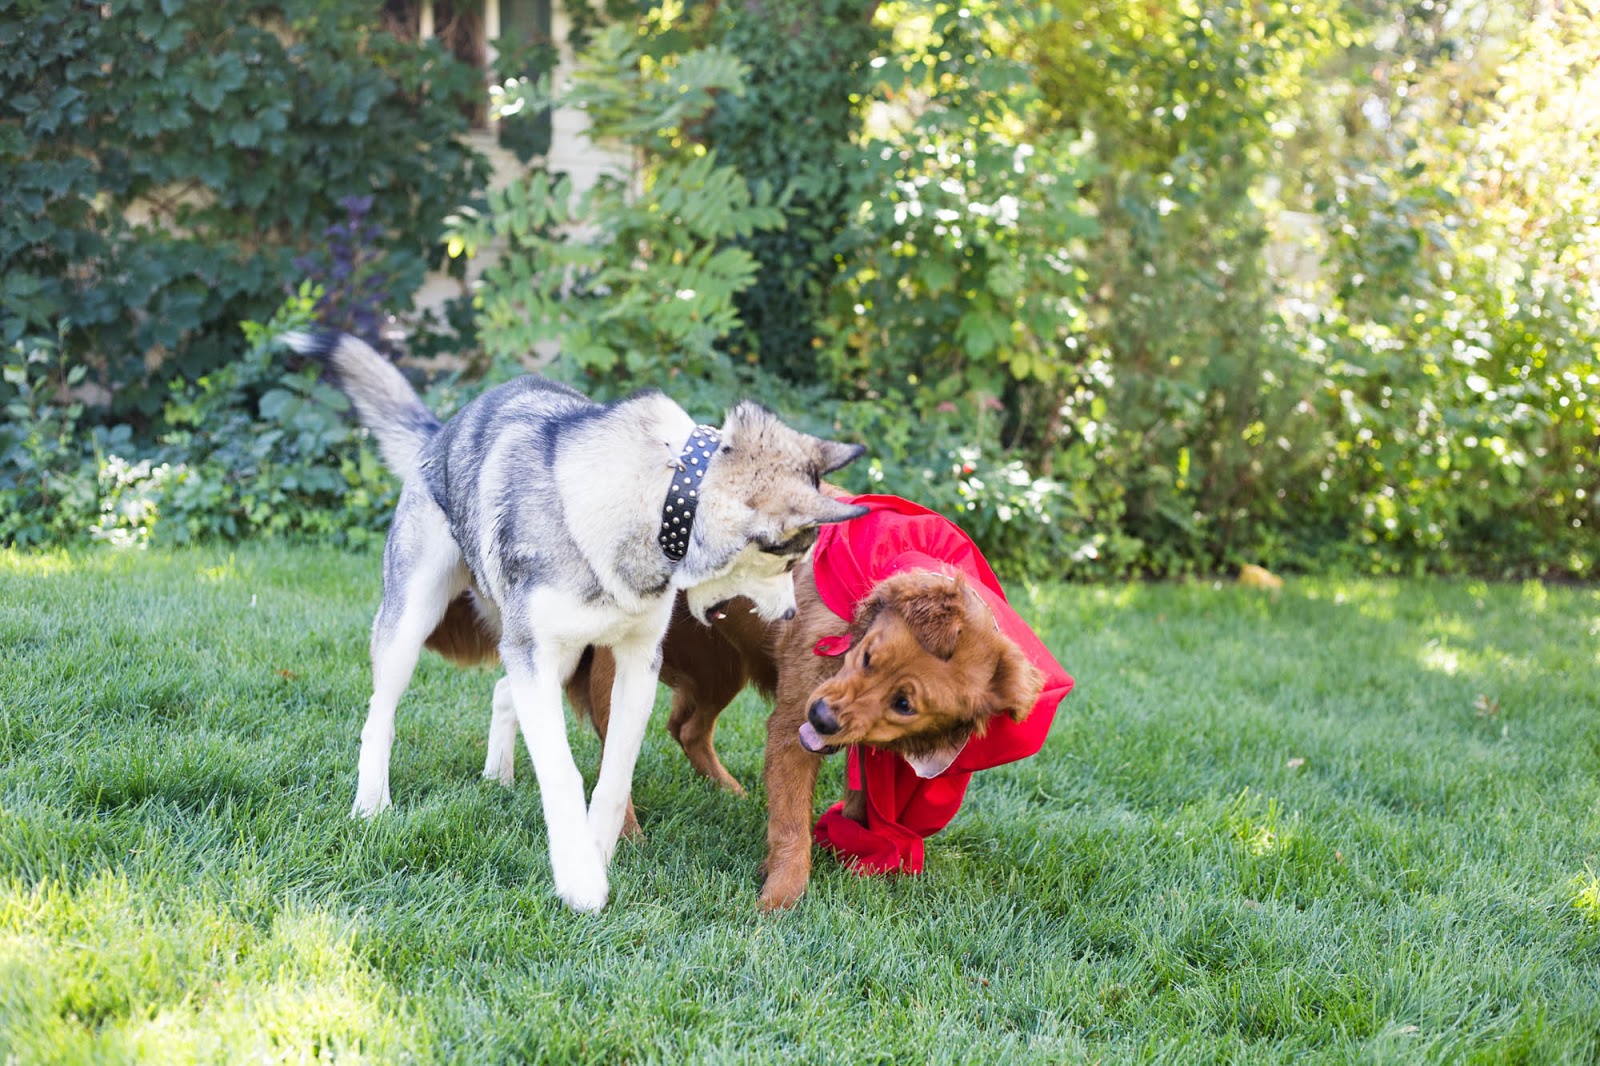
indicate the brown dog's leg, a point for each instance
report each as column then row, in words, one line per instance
column 791, row 775
column 705, row 672
column 692, row 725
column 594, row 701
column 855, row 805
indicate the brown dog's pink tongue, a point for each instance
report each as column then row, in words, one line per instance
column 809, row 739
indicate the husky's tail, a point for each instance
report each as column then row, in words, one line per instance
column 384, row 401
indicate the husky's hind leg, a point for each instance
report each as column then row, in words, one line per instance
column 589, row 692
column 501, row 763
column 422, row 573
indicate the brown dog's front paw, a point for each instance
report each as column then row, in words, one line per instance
column 630, row 826
column 781, row 891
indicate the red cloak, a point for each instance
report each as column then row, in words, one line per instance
column 850, row 559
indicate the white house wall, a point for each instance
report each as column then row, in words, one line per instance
column 570, row 152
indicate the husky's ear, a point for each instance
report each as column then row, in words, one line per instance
column 832, row 454
column 822, row 510
column 747, row 418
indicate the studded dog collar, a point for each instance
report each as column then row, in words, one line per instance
column 683, row 497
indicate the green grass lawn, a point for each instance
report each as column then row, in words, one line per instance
column 1353, row 820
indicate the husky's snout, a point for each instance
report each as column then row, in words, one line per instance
column 771, row 598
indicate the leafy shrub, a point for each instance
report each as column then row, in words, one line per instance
column 350, row 270
column 265, row 449
column 166, row 160
column 950, row 331
column 1021, row 251
column 254, row 448
column 130, row 498
column 1462, row 327
column 808, row 68
column 45, row 493
column 636, row 285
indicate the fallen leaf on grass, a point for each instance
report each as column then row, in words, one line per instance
column 1295, row 763
column 1487, row 708
column 290, row 674
column 1258, row 577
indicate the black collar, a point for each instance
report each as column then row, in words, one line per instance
column 683, row 497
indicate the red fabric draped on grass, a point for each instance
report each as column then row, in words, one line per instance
column 895, row 536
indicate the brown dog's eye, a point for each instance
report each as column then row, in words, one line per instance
column 866, row 660
column 902, row 705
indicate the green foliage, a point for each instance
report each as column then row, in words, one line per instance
column 1124, row 288
column 1465, row 321
column 1189, row 381
column 636, row 284
column 260, row 449
column 962, row 275
column 164, row 162
column 43, row 495
column 808, row 71
column 250, row 449
column 961, row 291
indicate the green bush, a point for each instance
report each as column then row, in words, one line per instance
column 808, row 68
column 635, row 285
column 165, row 161
column 253, row 448
column 47, row 480
column 1464, row 329
column 1024, row 252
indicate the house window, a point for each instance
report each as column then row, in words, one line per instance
column 527, row 49
column 503, row 38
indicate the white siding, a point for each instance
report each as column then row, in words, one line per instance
column 570, row 151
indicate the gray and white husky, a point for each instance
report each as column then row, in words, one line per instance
column 571, row 523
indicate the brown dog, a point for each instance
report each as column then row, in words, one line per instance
column 926, row 670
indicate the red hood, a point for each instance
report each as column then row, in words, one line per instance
column 850, row 559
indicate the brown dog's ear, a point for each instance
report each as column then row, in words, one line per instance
column 867, row 611
column 934, row 606
column 1016, row 684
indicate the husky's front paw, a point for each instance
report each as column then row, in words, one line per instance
column 606, row 824
column 580, row 875
column 367, row 807
column 369, row 803
column 585, row 891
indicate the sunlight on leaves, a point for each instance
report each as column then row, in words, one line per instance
column 54, row 563
column 1586, row 895
column 220, row 574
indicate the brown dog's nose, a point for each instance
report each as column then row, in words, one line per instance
column 823, row 720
